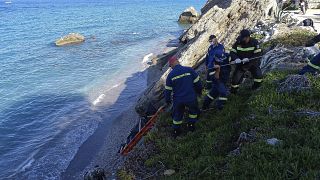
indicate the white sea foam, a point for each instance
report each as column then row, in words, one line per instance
column 102, row 96
column 147, row 58
column 99, row 99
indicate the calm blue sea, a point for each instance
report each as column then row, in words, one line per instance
column 50, row 96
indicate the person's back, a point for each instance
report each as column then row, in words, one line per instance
column 182, row 82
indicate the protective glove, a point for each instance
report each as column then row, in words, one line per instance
column 245, row 60
column 238, row 61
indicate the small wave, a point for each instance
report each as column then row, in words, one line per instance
column 147, row 58
column 99, row 99
column 102, row 96
column 135, row 33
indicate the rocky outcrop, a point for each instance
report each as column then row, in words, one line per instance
column 281, row 58
column 314, row 4
column 294, row 83
column 189, row 16
column 210, row 3
column 72, row 38
column 225, row 23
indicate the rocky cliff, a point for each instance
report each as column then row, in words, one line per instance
column 225, row 23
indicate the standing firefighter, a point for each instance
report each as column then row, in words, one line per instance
column 314, row 65
column 184, row 83
column 217, row 77
column 246, row 54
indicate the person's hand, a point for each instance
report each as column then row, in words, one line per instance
column 245, row 60
column 238, row 61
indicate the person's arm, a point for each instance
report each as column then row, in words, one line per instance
column 257, row 50
column 196, row 82
column 168, row 90
column 313, row 41
column 234, row 52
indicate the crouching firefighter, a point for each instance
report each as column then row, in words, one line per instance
column 182, row 86
column 246, row 54
column 314, row 65
column 217, row 75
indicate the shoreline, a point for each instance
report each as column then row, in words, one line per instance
column 112, row 132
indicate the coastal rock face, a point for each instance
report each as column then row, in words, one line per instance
column 210, row 3
column 225, row 23
column 72, row 38
column 189, row 16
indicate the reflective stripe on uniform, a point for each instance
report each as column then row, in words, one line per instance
column 193, row 116
column 168, row 88
column 258, row 80
column 314, row 66
column 180, row 76
column 233, row 50
column 245, row 49
column 196, row 80
column 209, row 81
column 177, row 122
column 209, row 96
column 212, row 73
column 235, row 86
column 223, row 99
column 257, row 51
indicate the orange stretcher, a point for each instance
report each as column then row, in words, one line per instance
column 141, row 130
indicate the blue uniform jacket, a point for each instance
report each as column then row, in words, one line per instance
column 215, row 53
column 184, row 83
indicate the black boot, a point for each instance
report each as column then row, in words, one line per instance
column 234, row 90
column 191, row 127
column 256, row 85
column 176, row 132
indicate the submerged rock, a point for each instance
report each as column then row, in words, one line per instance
column 225, row 23
column 189, row 16
column 72, row 38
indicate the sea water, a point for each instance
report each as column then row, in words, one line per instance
column 51, row 98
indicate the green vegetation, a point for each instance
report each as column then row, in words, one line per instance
column 204, row 153
column 294, row 37
column 257, row 36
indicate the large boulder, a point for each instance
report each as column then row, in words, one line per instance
column 225, row 23
column 189, row 16
column 72, row 38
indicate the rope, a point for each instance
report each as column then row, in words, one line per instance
column 242, row 62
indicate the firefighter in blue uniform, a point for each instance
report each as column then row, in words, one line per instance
column 217, row 76
column 182, row 86
column 243, row 54
column 314, row 65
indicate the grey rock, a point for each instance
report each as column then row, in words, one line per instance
column 210, row 3
column 295, row 83
column 97, row 173
column 282, row 58
column 274, row 141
